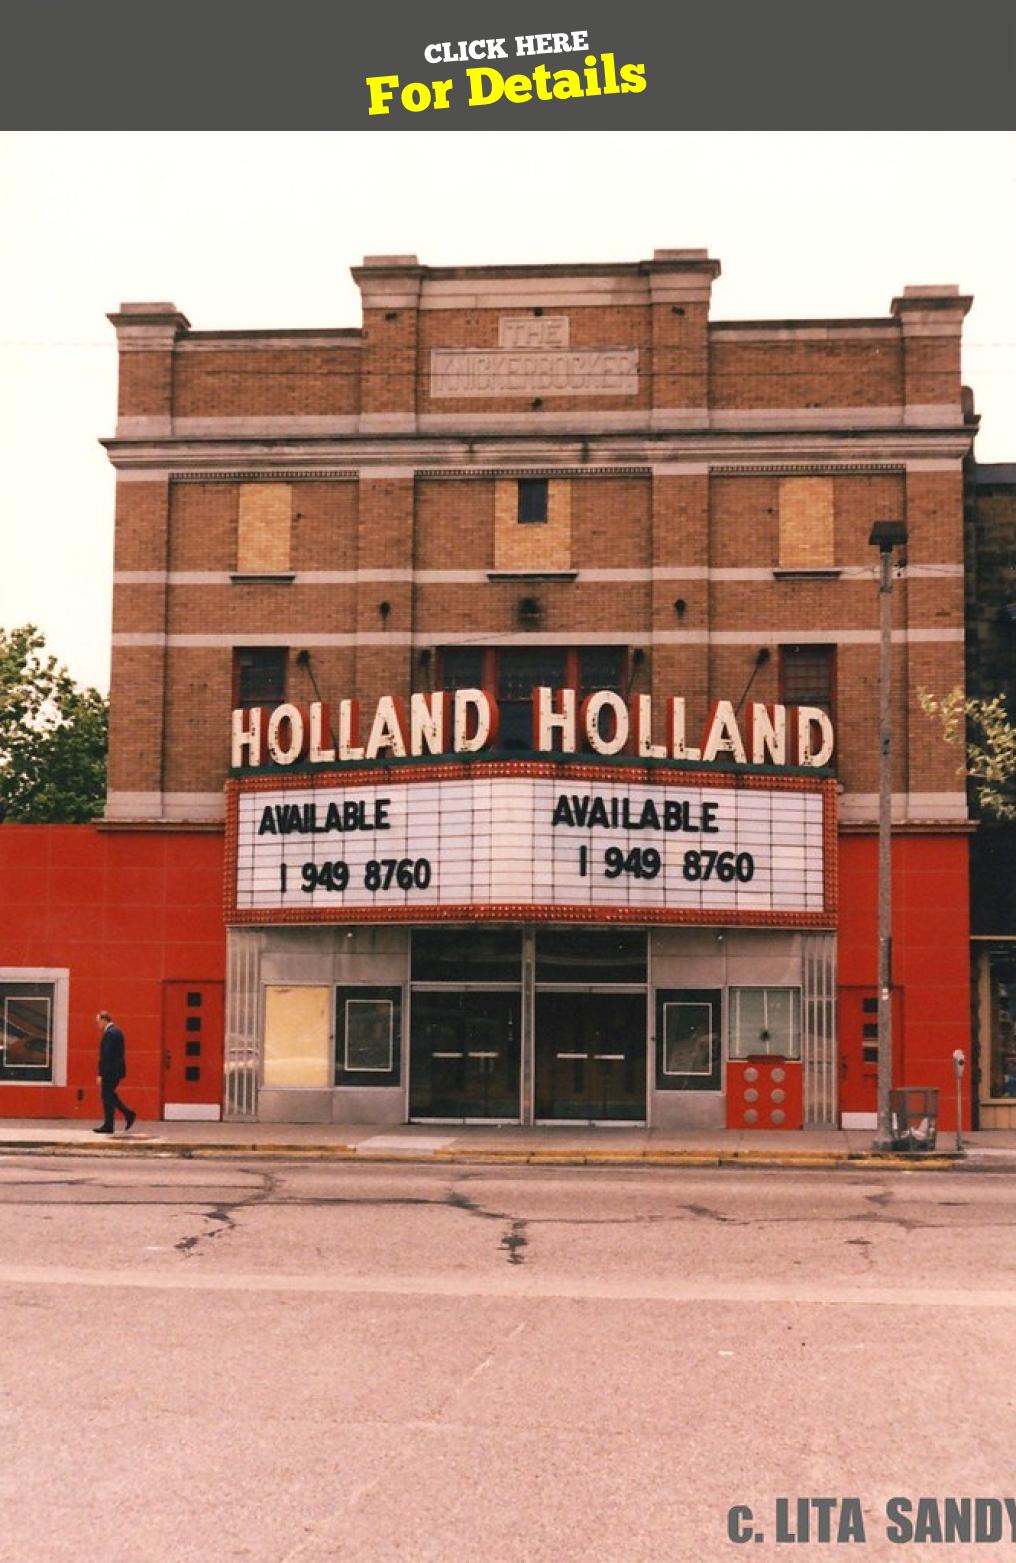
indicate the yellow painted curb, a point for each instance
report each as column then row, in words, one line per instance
column 491, row 1155
column 904, row 1163
column 533, row 1157
column 680, row 1159
column 763, row 1163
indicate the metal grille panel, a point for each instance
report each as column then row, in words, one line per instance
column 819, row 1038
column 241, row 1044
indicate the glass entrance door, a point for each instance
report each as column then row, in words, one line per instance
column 464, row 1055
column 591, row 1056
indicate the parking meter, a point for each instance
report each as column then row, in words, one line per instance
column 959, row 1065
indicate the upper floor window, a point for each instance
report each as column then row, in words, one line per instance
column 808, row 677
column 463, row 667
column 259, row 676
column 532, row 525
column 806, row 524
column 601, row 667
column 512, row 672
column 518, row 672
column 264, row 523
column 532, row 499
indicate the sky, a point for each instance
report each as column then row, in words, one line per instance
column 259, row 229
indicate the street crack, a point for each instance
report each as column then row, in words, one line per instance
column 515, row 1242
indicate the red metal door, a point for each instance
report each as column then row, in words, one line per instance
column 858, row 1041
column 192, row 1020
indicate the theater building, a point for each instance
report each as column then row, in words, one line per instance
column 522, row 645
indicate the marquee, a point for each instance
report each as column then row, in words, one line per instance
column 529, row 841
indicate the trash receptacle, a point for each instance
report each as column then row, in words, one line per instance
column 914, row 1112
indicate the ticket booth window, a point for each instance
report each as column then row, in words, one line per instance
column 765, row 1022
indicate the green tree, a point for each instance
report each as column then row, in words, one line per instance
column 52, row 736
column 986, row 729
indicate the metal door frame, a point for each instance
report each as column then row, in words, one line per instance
column 464, row 987
column 527, row 987
column 632, row 989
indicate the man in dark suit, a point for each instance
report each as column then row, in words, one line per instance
column 112, row 1069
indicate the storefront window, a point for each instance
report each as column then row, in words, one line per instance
column 765, row 1022
column 688, row 1039
column 33, row 1024
column 368, row 1035
column 26, row 1031
column 1001, row 1019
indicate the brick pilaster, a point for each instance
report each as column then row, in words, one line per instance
column 145, row 338
column 680, row 283
column 390, row 290
column 931, row 324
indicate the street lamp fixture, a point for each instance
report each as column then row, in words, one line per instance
column 885, row 536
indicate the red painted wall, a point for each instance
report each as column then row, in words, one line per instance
column 123, row 911
column 126, row 911
column 931, row 950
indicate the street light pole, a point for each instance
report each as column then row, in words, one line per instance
column 885, row 536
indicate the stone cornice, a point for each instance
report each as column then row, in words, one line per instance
column 662, row 262
column 836, row 449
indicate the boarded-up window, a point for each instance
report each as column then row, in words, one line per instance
column 519, row 545
column 262, row 539
column 297, row 1043
column 806, row 524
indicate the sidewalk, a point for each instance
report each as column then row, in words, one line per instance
column 558, row 1145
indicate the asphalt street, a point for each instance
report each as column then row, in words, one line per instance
column 300, row 1362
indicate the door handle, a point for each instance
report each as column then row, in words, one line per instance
column 445, row 1055
column 167, row 1060
column 483, row 1055
column 573, row 1055
column 613, row 1057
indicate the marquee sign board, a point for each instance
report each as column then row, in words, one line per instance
column 528, row 841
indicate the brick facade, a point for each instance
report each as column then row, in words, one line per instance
column 719, row 507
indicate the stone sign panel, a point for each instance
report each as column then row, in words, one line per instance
column 516, row 331
column 471, row 371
